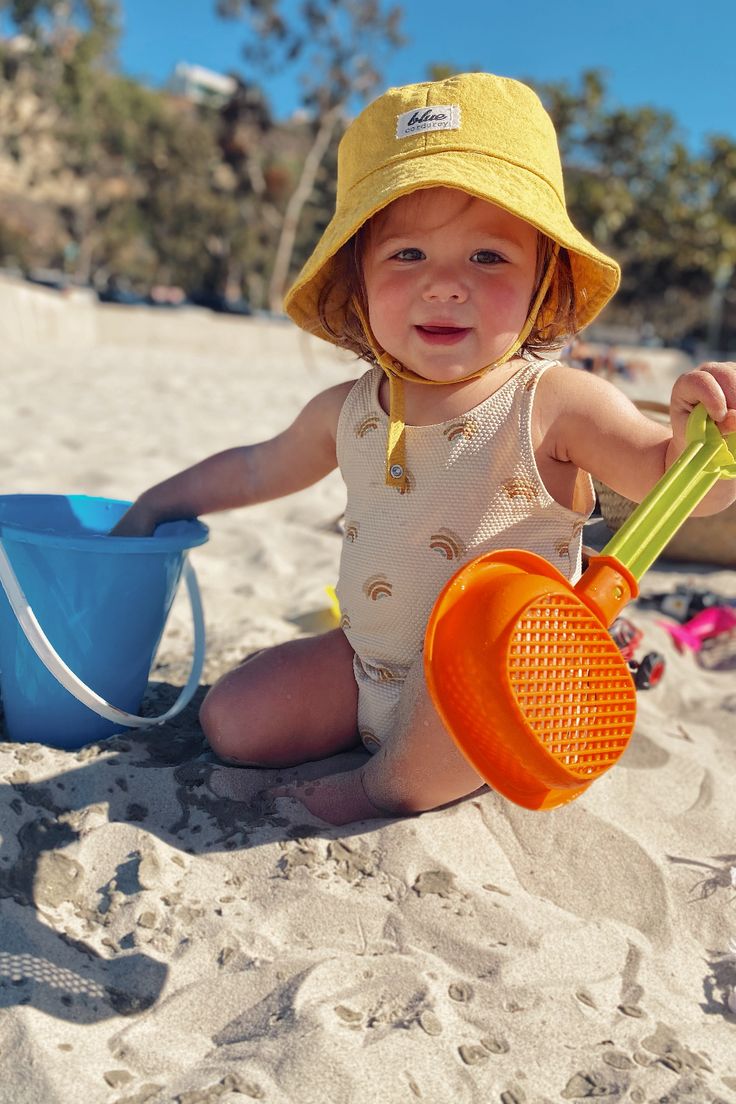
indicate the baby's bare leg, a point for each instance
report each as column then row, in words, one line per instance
column 418, row 767
column 289, row 704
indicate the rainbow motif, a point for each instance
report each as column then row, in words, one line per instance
column 466, row 428
column 446, row 542
column 378, row 586
column 369, row 423
column 519, row 487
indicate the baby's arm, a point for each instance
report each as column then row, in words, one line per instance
column 299, row 456
column 589, row 423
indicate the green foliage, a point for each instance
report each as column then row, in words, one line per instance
column 666, row 214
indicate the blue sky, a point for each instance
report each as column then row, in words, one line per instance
column 678, row 57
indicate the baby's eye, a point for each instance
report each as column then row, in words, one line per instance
column 487, row 257
column 409, row 254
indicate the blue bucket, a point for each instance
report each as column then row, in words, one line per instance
column 96, row 604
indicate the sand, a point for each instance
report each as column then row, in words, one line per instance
column 166, row 937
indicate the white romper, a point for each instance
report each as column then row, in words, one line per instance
column 472, row 486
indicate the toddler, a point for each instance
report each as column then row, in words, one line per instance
column 452, row 268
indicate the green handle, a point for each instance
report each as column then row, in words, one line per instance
column 708, row 456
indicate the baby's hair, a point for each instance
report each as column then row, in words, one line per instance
column 556, row 323
column 344, row 285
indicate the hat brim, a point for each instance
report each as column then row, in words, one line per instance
column 515, row 189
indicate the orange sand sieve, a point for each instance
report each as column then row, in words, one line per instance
column 519, row 662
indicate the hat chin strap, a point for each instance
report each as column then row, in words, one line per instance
column 396, row 444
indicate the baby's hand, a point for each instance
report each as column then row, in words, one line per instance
column 135, row 522
column 712, row 384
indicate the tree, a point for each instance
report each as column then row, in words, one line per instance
column 162, row 206
column 715, row 234
column 72, row 42
column 664, row 213
column 254, row 173
column 333, row 49
column 130, row 175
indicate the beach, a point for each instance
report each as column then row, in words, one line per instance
column 166, row 936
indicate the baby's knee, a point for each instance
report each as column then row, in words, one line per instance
column 221, row 727
column 211, row 719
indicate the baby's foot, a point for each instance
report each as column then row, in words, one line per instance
column 336, row 799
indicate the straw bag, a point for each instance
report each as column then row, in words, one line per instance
column 699, row 540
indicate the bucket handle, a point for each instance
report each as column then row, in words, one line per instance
column 51, row 659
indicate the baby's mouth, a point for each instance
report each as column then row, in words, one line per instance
column 442, row 335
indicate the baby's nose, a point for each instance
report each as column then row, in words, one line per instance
column 445, row 288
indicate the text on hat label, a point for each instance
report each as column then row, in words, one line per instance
column 421, row 119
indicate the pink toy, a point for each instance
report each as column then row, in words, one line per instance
column 713, row 621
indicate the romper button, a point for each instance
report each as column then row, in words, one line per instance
column 396, row 471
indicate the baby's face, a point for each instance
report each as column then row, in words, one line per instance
column 449, row 280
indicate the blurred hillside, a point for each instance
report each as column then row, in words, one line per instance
column 134, row 187
column 105, row 182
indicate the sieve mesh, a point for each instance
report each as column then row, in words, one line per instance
column 571, row 684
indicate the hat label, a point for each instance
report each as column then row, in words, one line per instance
column 421, row 119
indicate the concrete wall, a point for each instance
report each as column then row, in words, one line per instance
column 36, row 317
column 31, row 316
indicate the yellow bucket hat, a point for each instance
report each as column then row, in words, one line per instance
column 488, row 136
